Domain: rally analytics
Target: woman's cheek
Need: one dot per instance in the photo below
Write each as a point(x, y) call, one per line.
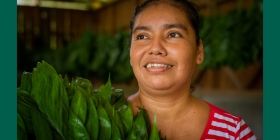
point(133, 57)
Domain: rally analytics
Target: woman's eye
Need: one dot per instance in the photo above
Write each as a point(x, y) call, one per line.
point(140, 37)
point(174, 35)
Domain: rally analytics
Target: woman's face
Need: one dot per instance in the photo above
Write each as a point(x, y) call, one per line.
point(163, 49)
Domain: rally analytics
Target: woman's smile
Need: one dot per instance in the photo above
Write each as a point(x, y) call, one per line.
point(158, 67)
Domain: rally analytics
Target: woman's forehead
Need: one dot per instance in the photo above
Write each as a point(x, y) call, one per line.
point(163, 14)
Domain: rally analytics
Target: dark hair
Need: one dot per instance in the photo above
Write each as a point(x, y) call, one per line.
point(190, 9)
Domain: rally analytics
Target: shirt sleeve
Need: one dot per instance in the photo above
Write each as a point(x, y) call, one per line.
point(244, 132)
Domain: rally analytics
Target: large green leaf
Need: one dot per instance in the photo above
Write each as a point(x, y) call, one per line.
point(51, 96)
point(140, 125)
point(116, 135)
point(105, 92)
point(26, 81)
point(76, 128)
point(43, 130)
point(126, 116)
point(79, 105)
point(21, 130)
point(105, 126)
point(92, 123)
point(155, 134)
point(24, 103)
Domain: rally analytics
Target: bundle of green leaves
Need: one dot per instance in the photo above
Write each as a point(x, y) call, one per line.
point(53, 108)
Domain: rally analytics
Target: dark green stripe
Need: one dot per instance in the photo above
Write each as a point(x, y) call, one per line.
point(8, 30)
point(271, 84)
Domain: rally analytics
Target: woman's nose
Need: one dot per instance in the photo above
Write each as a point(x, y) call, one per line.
point(158, 47)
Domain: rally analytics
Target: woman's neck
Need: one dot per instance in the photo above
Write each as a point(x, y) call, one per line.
point(167, 111)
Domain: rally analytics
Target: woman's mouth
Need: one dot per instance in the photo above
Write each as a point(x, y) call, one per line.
point(155, 65)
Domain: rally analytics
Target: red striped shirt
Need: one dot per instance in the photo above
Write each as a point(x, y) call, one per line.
point(222, 125)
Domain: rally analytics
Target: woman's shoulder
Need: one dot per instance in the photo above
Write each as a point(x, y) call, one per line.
point(224, 117)
point(217, 112)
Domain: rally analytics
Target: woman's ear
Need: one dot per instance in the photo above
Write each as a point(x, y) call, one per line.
point(199, 53)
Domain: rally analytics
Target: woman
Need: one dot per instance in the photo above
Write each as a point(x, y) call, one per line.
point(165, 49)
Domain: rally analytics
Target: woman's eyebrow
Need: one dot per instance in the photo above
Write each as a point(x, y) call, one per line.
point(180, 26)
point(166, 26)
point(146, 28)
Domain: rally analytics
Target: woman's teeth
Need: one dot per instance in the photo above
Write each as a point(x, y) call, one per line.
point(157, 65)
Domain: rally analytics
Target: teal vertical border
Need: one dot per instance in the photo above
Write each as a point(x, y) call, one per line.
point(8, 30)
point(271, 113)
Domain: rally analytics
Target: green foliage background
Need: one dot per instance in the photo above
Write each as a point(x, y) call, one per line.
point(93, 56)
point(235, 39)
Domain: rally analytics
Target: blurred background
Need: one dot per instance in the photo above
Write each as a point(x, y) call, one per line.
point(89, 38)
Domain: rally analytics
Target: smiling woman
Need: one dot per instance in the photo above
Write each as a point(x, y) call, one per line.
point(165, 49)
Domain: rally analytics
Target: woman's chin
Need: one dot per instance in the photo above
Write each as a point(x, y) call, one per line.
point(158, 85)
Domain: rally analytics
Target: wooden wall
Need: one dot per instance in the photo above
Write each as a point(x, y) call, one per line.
point(52, 26)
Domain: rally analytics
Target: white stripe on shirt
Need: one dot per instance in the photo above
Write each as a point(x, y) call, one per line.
point(216, 115)
point(224, 125)
point(220, 134)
